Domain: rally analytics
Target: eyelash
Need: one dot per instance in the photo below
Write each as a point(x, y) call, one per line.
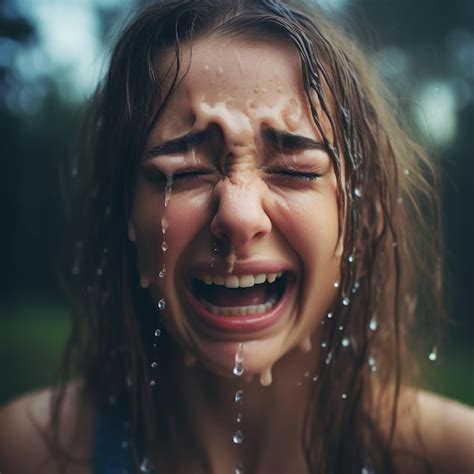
point(158, 176)
point(193, 174)
point(302, 175)
point(188, 175)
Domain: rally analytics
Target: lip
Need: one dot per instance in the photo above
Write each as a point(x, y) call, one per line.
point(241, 325)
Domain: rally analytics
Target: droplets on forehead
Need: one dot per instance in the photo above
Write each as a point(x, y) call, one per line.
point(239, 85)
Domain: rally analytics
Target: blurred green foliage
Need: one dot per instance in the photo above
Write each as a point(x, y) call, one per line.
point(32, 339)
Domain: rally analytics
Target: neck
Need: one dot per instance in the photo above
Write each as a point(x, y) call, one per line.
point(271, 417)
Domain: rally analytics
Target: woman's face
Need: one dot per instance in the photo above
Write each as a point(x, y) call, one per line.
point(251, 222)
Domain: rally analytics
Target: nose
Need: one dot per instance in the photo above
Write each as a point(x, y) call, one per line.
point(240, 217)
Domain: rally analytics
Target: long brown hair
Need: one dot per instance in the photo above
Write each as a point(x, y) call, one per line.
point(387, 208)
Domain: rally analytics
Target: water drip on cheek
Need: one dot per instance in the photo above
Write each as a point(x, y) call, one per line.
point(230, 259)
point(266, 377)
point(164, 222)
point(305, 344)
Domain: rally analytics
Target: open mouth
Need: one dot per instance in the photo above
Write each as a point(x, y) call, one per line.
point(243, 295)
point(243, 303)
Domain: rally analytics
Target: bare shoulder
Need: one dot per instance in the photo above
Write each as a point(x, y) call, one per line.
point(26, 435)
point(436, 429)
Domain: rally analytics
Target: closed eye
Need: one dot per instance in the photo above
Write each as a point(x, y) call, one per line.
point(188, 175)
point(303, 175)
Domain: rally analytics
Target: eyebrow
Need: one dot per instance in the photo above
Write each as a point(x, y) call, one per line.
point(178, 144)
point(278, 138)
point(286, 140)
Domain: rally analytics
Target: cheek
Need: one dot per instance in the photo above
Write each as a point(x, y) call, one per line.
point(310, 224)
point(172, 228)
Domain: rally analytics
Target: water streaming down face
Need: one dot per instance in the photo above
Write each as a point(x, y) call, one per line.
point(238, 370)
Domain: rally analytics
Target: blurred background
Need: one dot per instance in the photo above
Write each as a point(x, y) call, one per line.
point(53, 52)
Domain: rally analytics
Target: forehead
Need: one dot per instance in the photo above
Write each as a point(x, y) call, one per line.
point(254, 82)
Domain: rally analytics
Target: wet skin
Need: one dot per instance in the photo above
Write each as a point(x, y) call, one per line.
point(250, 176)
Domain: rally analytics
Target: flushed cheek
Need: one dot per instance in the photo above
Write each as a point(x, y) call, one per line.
point(163, 233)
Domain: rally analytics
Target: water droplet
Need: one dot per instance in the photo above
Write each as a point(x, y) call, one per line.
point(330, 315)
point(154, 365)
point(158, 333)
point(346, 301)
point(239, 469)
point(266, 377)
point(239, 356)
point(239, 418)
point(373, 325)
point(146, 466)
point(324, 344)
point(164, 225)
point(238, 369)
point(350, 258)
point(305, 344)
point(400, 200)
point(316, 378)
point(344, 396)
point(355, 287)
point(76, 269)
point(406, 172)
point(164, 246)
point(433, 355)
point(161, 304)
point(168, 191)
point(306, 374)
point(238, 437)
point(341, 328)
point(239, 396)
point(328, 358)
point(345, 342)
point(162, 272)
point(152, 383)
point(358, 192)
point(371, 361)
point(336, 284)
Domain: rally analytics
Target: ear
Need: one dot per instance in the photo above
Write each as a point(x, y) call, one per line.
point(131, 231)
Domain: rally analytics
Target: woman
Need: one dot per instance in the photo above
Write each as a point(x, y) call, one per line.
point(245, 276)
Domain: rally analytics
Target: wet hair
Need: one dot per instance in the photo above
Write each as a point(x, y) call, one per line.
point(387, 205)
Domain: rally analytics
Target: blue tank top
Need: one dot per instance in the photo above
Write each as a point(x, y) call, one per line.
point(112, 451)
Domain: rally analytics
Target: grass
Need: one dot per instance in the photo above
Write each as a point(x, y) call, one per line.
point(32, 338)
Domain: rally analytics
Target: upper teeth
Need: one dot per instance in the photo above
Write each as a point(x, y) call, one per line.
point(242, 281)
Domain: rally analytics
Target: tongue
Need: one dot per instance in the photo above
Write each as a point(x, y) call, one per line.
point(222, 296)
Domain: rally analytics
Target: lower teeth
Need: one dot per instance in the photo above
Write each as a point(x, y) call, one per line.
point(240, 310)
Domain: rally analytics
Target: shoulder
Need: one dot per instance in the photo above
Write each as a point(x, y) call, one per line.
point(26, 435)
point(436, 429)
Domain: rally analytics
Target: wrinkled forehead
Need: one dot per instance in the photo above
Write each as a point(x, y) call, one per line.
point(248, 83)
